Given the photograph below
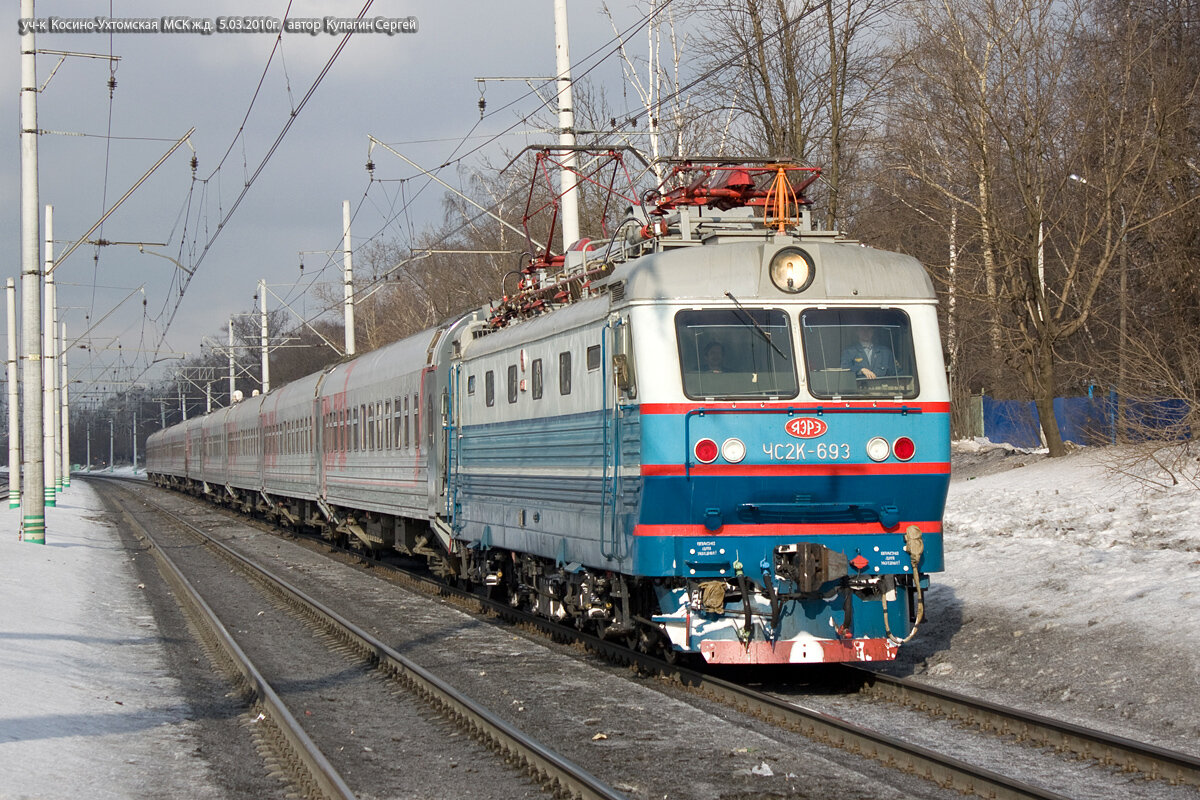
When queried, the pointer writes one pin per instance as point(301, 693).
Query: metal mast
point(232, 377)
point(14, 404)
point(347, 278)
point(66, 417)
point(33, 501)
point(566, 125)
point(262, 308)
point(49, 373)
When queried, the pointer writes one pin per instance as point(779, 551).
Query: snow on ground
point(1069, 589)
point(87, 707)
point(1073, 541)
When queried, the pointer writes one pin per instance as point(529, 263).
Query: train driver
point(714, 357)
point(866, 358)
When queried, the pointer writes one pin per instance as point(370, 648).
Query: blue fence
point(1083, 420)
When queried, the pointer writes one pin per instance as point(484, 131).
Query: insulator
point(195, 163)
point(371, 167)
point(112, 85)
point(482, 107)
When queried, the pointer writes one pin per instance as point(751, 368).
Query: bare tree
point(1000, 111)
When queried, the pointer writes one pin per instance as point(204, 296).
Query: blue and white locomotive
point(720, 433)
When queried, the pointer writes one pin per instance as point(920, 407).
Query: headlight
point(792, 270)
point(878, 449)
point(734, 450)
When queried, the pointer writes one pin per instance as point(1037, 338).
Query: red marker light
point(903, 448)
point(706, 451)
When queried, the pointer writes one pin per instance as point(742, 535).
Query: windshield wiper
point(766, 336)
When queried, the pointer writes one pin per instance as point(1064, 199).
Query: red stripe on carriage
point(758, 470)
point(805, 407)
point(816, 651)
point(781, 529)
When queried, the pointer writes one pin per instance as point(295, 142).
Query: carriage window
point(387, 424)
point(593, 357)
point(858, 352)
point(489, 388)
point(512, 383)
point(564, 372)
point(536, 378)
point(736, 352)
point(379, 426)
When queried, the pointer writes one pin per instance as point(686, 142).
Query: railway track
point(307, 767)
point(1123, 754)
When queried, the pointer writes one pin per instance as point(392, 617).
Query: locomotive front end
point(795, 456)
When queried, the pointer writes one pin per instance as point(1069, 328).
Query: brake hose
point(915, 547)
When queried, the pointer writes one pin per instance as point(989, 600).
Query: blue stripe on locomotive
point(492, 486)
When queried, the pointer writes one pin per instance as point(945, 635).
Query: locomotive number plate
point(805, 451)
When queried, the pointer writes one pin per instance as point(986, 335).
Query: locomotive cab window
point(859, 352)
point(736, 353)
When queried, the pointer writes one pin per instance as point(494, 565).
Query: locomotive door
point(615, 360)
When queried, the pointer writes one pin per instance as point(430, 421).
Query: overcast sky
point(417, 91)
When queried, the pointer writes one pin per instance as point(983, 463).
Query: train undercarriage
point(666, 616)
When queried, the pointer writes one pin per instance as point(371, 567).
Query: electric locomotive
point(719, 433)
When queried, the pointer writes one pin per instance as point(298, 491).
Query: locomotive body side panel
point(541, 443)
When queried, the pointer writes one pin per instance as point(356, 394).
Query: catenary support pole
point(232, 376)
point(566, 127)
point(134, 442)
point(89, 446)
point(14, 403)
point(110, 445)
point(49, 373)
point(56, 394)
point(347, 278)
point(266, 361)
point(33, 500)
point(65, 411)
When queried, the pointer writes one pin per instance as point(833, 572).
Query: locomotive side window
point(564, 372)
point(416, 422)
point(512, 383)
point(593, 358)
point(859, 352)
point(470, 385)
point(489, 388)
point(736, 353)
point(536, 378)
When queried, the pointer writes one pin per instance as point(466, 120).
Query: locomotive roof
point(845, 271)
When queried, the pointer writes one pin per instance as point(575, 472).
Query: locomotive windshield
point(736, 353)
point(858, 352)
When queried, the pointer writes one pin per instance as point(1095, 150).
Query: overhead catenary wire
point(249, 182)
